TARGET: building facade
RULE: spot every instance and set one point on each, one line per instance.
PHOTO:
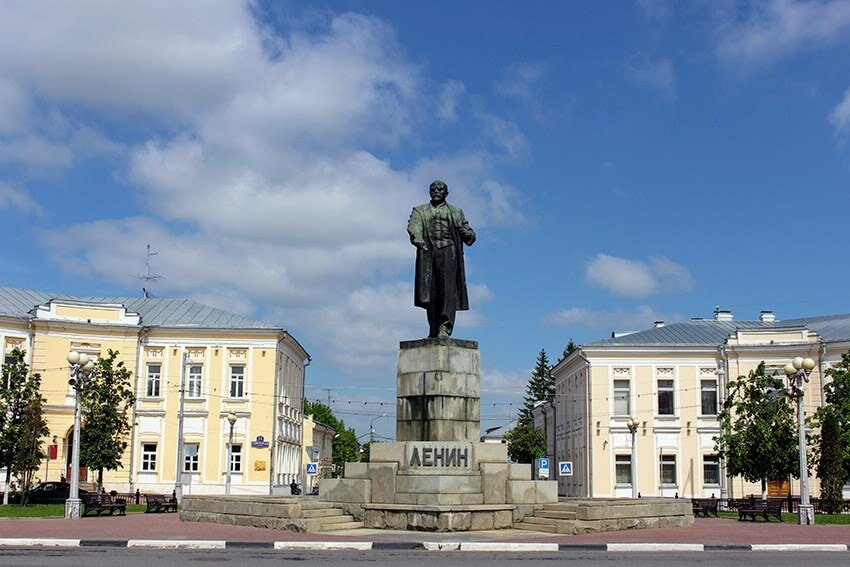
(217, 362)
(671, 380)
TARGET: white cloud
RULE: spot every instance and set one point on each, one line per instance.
(12, 197)
(519, 81)
(620, 320)
(840, 115)
(449, 100)
(637, 278)
(654, 9)
(658, 74)
(780, 28)
(503, 135)
(671, 276)
(620, 276)
(261, 194)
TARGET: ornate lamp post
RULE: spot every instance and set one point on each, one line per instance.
(632, 424)
(81, 367)
(231, 419)
(798, 372)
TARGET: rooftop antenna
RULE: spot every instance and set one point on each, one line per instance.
(148, 278)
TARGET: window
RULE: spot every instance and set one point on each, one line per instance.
(623, 466)
(622, 393)
(148, 456)
(711, 470)
(708, 390)
(153, 379)
(8, 360)
(665, 397)
(668, 470)
(237, 381)
(196, 372)
(190, 457)
(236, 458)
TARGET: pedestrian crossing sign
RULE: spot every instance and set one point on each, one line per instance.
(565, 468)
(312, 468)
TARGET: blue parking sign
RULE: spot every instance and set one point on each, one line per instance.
(543, 463)
(312, 468)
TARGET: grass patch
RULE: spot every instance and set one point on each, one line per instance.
(820, 519)
(49, 510)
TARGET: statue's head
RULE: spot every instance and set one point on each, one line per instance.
(438, 190)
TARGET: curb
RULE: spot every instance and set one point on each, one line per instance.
(470, 546)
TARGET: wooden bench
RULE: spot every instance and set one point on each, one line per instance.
(763, 508)
(100, 503)
(156, 503)
(704, 507)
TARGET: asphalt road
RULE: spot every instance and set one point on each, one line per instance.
(184, 558)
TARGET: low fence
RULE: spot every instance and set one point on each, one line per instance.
(790, 504)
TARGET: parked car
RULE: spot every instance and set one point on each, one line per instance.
(46, 493)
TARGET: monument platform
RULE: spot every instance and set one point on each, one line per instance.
(437, 476)
(438, 486)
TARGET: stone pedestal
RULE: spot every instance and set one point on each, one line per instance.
(437, 476)
(438, 486)
(438, 391)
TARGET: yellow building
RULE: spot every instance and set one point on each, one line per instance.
(227, 363)
(670, 379)
(318, 450)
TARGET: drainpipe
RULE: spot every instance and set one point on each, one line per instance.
(589, 456)
(821, 356)
(307, 363)
(140, 352)
(275, 410)
(725, 480)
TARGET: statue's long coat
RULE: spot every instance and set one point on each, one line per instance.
(417, 227)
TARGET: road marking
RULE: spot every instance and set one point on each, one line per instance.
(178, 543)
(798, 547)
(497, 546)
(324, 545)
(42, 542)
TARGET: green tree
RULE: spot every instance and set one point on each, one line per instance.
(758, 438)
(29, 454)
(525, 443)
(540, 387)
(830, 469)
(568, 350)
(107, 403)
(831, 445)
(20, 412)
(346, 448)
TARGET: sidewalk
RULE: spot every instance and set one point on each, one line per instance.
(704, 531)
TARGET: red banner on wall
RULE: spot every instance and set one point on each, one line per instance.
(52, 452)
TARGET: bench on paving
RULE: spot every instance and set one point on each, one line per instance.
(98, 504)
(763, 508)
(704, 507)
(157, 503)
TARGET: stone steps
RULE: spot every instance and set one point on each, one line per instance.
(551, 525)
(320, 513)
(536, 527)
(298, 514)
(556, 514)
(352, 525)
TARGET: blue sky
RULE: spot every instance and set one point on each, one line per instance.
(622, 162)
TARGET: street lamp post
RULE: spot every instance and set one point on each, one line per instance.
(231, 419)
(81, 367)
(632, 424)
(372, 428)
(798, 372)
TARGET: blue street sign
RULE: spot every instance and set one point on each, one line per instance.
(565, 468)
(312, 468)
(543, 463)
